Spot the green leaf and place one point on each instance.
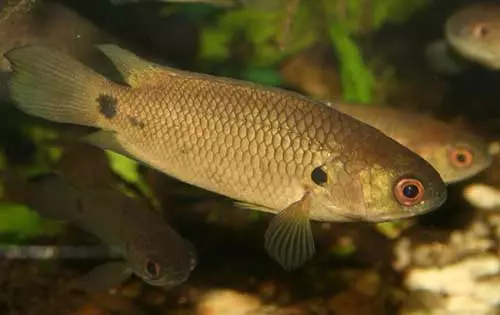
(265, 76)
(357, 79)
(123, 166)
(21, 220)
(128, 169)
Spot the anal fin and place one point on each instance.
(103, 277)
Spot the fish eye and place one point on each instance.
(409, 191)
(152, 269)
(461, 157)
(480, 30)
(319, 176)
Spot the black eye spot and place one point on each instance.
(410, 191)
(319, 176)
(152, 269)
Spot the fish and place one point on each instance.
(443, 59)
(50, 23)
(268, 149)
(474, 32)
(456, 154)
(150, 247)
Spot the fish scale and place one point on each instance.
(234, 129)
(268, 149)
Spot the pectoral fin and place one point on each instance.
(103, 277)
(289, 238)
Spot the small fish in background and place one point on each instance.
(270, 149)
(456, 154)
(150, 247)
(474, 32)
(50, 23)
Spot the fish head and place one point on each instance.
(377, 182)
(161, 257)
(457, 158)
(474, 32)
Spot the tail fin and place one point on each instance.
(52, 85)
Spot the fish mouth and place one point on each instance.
(431, 205)
(381, 215)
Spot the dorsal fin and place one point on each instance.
(135, 71)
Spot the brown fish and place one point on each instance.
(474, 32)
(47, 23)
(455, 153)
(150, 247)
(271, 149)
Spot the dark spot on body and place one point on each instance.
(107, 105)
(136, 122)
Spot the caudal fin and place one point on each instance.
(52, 85)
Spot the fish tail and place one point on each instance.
(54, 86)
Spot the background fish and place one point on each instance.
(49, 23)
(474, 32)
(151, 248)
(273, 150)
(455, 153)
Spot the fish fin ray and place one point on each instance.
(134, 69)
(103, 277)
(251, 206)
(289, 238)
(54, 86)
